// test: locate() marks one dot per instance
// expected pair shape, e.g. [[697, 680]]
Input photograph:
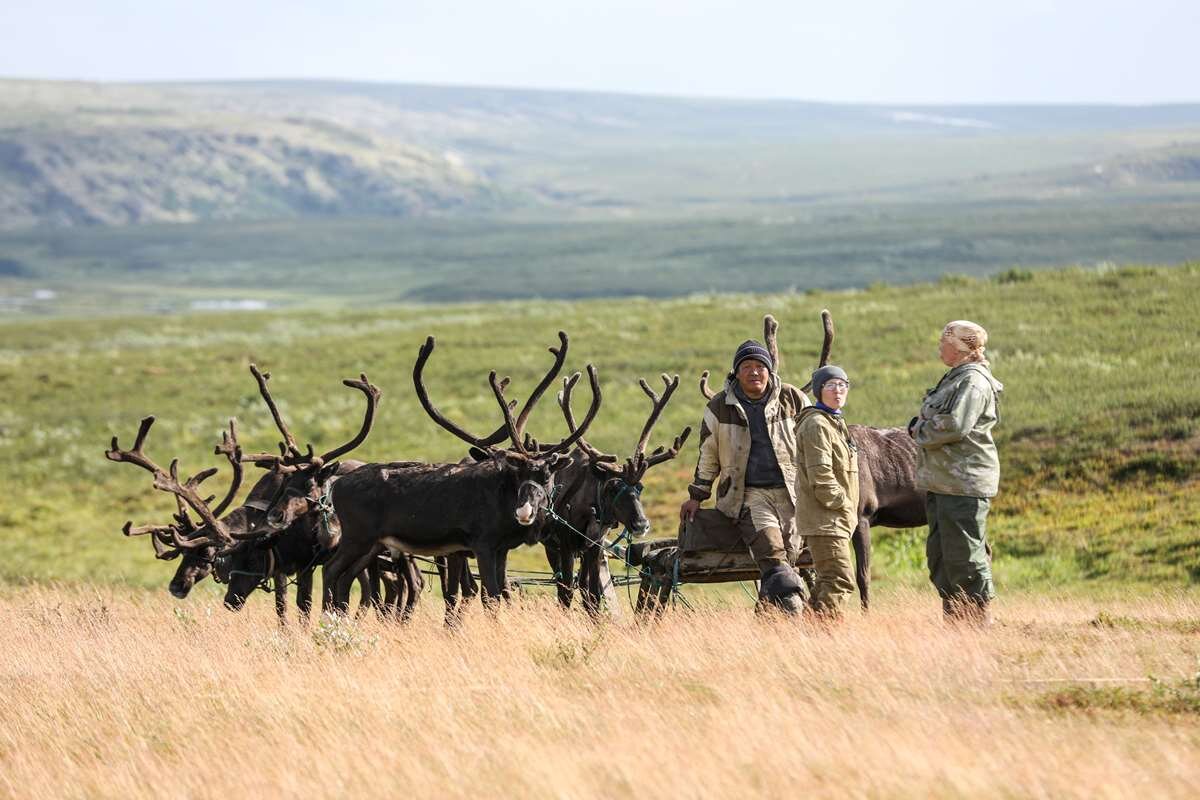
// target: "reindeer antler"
[[605, 461], [437, 416], [288, 445], [373, 394], [510, 425], [577, 433], [160, 536], [770, 331], [168, 480], [826, 345], [704, 389], [560, 357], [232, 451], [638, 465], [513, 428]]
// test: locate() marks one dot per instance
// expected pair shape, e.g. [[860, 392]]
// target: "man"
[[748, 450]]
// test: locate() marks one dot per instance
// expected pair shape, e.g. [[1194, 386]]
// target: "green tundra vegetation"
[[1099, 436], [126, 198]]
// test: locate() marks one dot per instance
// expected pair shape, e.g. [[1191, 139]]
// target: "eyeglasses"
[[837, 386]]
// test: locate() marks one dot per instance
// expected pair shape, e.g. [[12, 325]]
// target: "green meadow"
[[1099, 437]]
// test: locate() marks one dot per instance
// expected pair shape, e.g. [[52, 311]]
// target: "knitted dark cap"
[[752, 349], [824, 375]]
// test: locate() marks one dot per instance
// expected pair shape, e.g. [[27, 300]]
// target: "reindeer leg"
[[562, 579], [304, 587], [589, 581], [368, 588], [506, 589], [393, 594], [331, 574], [493, 588], [360, 571], [280, 579], [470, 587], [861, 540], [415, 583], [450, 575], [566, 572]]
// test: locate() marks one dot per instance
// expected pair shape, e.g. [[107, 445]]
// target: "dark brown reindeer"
[[486, 507], [259, 556], [596, 495], [187, 496], [195, 565], [296, 547], [887, 469]]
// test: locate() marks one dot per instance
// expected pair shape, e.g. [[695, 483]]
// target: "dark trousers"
[[956, 550]]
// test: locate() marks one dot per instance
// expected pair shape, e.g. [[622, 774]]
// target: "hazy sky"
[[887, 51]]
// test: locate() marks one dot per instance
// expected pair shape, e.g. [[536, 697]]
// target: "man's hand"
[[687, 511]]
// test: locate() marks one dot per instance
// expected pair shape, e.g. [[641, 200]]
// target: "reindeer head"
[[198, 544], [304, 489], [531, 464], [619, 496], [244, 568]]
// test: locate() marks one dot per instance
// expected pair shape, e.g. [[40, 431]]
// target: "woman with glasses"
[[960, 470], [827, 490]]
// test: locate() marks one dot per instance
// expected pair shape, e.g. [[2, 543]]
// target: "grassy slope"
[[1099, 436], [374, 261]]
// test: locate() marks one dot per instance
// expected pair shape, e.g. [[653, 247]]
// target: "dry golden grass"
[[105, 693]]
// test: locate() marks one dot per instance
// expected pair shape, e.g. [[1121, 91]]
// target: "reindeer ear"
[[479, 454], [327, 471]]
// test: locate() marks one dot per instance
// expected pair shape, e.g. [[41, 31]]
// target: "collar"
[[837, 412], [732, 390]]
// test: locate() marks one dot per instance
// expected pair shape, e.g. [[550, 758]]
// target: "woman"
[[827, 490], [960, 470]]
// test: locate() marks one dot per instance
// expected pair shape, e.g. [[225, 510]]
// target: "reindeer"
[[298, 547], [486, 506], [596, 495], [197, 564], [887, 469], [255, 555]]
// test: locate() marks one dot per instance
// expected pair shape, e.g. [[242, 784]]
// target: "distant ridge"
[[77, 153]]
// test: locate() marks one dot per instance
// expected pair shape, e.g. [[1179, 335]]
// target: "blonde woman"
[[959, 468]]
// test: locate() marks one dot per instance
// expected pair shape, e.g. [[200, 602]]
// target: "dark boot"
[[782, 588]]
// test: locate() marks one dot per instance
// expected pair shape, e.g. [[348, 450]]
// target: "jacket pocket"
[[724, 486]]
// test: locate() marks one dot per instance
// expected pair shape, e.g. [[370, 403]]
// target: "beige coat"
[[827, 476], [725, 444]]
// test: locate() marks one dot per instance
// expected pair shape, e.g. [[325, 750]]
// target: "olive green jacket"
[[954, 431], [827, 476], [725, 444]]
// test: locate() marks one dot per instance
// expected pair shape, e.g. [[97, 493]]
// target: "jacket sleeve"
[[708, 466], [817, 452], [954, 422]]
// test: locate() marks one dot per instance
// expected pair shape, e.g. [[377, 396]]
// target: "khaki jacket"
[[954, 430], [725, 444], [827, 479]]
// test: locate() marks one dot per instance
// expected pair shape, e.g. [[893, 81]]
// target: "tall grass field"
[[1089, 685]]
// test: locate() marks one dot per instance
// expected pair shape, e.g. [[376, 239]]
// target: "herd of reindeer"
[[371, 523]]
